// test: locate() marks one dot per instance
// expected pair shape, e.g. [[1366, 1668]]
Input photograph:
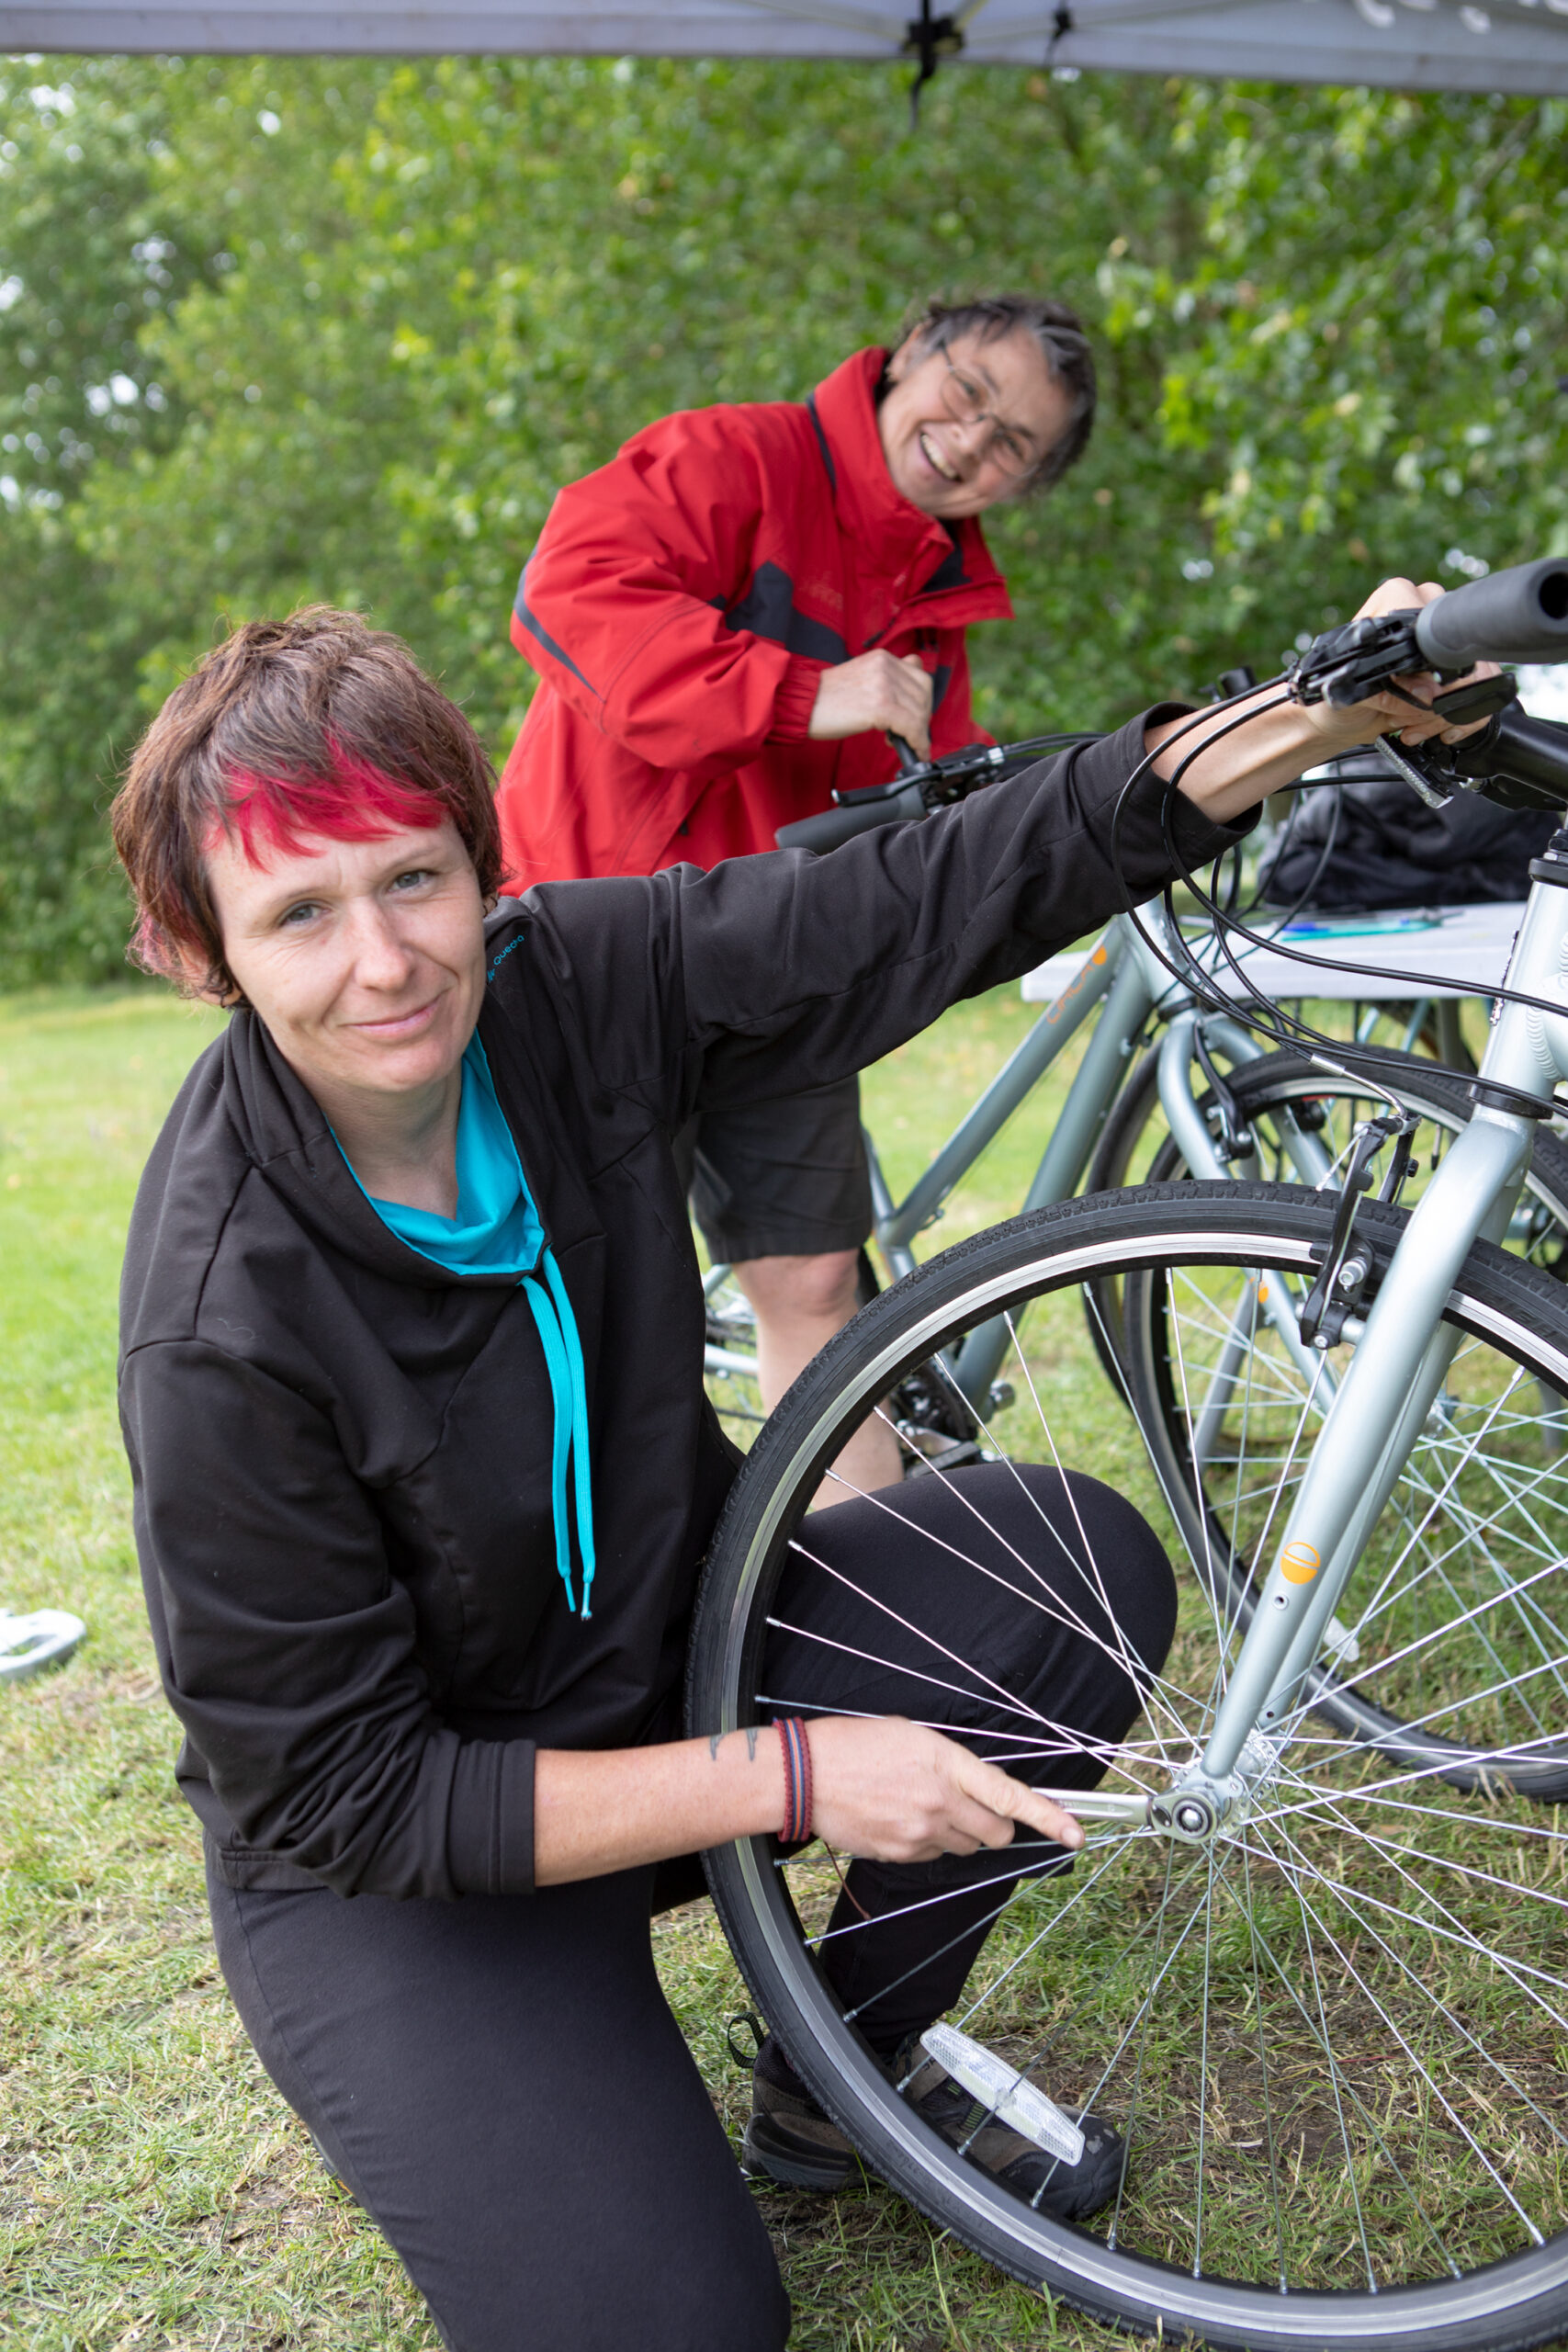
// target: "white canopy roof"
[[1509, 45]]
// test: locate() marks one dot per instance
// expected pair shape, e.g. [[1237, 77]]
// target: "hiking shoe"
[[1066, 2192], [787, 2136]]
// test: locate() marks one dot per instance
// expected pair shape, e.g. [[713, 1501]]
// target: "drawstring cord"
[[568, 1390]]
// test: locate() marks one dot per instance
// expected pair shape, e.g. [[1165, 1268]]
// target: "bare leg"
[[799, 1304]]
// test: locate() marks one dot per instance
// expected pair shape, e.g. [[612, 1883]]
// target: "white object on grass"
[[42, 1638], [1009, 2095]]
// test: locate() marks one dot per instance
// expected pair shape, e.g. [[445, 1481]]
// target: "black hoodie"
[[341, 1451]]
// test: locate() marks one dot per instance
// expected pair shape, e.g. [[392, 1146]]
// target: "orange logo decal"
[[1300, 1564]]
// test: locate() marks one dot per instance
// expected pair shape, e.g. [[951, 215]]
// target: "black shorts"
[[786, 1179]]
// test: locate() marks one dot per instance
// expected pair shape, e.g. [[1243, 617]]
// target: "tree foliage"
[[272, 331]]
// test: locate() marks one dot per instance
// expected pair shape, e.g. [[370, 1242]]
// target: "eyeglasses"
[[1007, 445]]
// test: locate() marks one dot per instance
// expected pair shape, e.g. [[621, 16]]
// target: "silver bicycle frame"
[[1124, 972], [1402, 1355]]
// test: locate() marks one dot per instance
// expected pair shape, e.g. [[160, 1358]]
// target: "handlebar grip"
[[836, 825], [1520, 614]]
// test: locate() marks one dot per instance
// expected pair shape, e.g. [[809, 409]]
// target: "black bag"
[[1373, 842]]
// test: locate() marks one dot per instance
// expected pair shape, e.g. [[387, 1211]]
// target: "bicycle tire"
[[1490, 2286]]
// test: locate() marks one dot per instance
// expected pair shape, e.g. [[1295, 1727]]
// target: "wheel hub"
[[1195, 1808]]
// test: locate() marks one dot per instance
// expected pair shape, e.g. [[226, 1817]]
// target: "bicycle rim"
[[1337, 2037]]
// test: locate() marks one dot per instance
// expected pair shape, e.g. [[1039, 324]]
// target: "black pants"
[[500, 2080]]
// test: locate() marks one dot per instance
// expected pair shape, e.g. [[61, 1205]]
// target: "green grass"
[[155, 2190]]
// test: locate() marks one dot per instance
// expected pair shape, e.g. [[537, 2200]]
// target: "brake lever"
[[1346, 664], [939, 781]]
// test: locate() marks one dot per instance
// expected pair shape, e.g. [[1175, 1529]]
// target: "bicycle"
[[1310, 1960], [1131, 1101]]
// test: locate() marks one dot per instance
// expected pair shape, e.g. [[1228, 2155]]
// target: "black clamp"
[[1488, 1094], [1341, 1287], [1346, 664], [1552, 865], [930, 38]]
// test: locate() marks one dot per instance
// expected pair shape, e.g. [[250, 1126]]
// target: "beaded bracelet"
[[796, 1830]]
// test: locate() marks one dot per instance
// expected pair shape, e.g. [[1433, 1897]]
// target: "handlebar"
[[920, 787], [836, 825], [1520, 614]]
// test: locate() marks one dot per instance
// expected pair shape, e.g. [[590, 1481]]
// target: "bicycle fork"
[[1393, 1383]]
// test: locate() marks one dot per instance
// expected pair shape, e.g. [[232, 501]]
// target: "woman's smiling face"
[[946, 467], [365, 959]]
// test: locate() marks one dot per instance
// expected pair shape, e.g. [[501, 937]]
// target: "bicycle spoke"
[[1052, 1606], [938, 1682], [1142, 2045], [1455, 2024], [1333, 2084], [1455, 1928], [1423, 2073], [1203, 2072]]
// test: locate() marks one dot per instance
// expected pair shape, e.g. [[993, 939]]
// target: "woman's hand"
[[1386, 713], [895, 1791], [874, 693], [881, 1787], [1238, 766]]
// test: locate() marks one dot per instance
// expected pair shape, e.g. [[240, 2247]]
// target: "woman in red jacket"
[[728, 620]]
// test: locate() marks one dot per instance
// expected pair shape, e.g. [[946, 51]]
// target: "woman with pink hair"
[[411, 1390]]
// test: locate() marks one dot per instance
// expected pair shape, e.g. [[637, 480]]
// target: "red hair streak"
[[352, 801]]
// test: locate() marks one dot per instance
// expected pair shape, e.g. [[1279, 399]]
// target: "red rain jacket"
[[680, 606]]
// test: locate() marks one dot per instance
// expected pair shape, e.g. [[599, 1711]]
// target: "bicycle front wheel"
[[1336, 2037]]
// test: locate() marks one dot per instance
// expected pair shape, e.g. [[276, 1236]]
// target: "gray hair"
[[1059, 333]]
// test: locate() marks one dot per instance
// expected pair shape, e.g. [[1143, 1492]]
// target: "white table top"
[[1468, 946]]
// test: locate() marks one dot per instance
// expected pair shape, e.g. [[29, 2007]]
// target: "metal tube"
[[1237, 1045], [1183, 1117], [1092, 1091], [1065, 1157], [1529, 1049], [1305, 1153], [1097, 1804], [1310, 1567], [1190, 1129], [1414, 1409], [1425, 1389], [900, 1258], [1021, 1071]]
